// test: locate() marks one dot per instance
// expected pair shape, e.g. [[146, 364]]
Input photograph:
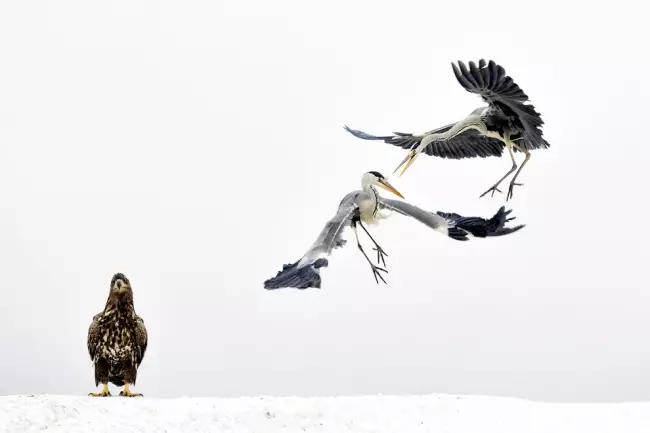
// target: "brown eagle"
[[117, 340]]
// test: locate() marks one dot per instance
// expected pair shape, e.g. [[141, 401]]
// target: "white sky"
[[198, 146]]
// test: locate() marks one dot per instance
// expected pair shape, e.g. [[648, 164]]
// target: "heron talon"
[[375, 271], [493, 190], [511, 189], [380, 255]]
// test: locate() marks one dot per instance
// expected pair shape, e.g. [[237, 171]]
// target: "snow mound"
[[395, 414]]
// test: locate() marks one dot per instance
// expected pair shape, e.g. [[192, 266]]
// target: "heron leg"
[[495, 187], [514, 178], [380, 251], [375, 269]]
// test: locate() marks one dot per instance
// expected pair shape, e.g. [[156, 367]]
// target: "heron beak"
[[410, 158], [387, 186]]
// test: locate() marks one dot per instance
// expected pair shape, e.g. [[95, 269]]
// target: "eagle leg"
[[105, 392], [127, 392]]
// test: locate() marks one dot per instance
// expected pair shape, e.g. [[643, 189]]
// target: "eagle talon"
[[126, 392], [105, 393], [129, 394]]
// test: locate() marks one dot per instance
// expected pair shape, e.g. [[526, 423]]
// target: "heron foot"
[[493, 189], [511, 189], [375, 273], [380, 255]]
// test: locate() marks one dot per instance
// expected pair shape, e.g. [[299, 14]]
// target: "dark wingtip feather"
[[481, 227], [506, 230], [457, 234], [298, 278], [496, 224]]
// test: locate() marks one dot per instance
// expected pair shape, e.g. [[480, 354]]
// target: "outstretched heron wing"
[[454, 225], [467, 144], [305, 273], [489, 80]]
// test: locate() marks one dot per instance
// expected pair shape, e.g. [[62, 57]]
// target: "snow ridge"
[[377, 414]]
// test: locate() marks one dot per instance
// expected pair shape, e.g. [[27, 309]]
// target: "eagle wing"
[[141, 339], [93, 336]]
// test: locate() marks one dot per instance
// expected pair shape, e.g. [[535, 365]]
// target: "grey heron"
[[506, 122], [366, 206]]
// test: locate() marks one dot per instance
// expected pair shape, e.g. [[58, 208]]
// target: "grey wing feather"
[[454, 225], [490, 82], [437, 222], [305, 273], [141, 339], [330, 235], [93, 336], [467, 144]]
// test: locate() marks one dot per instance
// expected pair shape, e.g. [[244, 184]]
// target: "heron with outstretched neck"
[[367, 206], [507, 121]]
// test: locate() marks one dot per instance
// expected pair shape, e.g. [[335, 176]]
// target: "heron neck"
[[472, 121], [374, 197]]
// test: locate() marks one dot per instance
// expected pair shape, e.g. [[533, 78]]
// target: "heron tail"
[[297, 277], [481, 227]]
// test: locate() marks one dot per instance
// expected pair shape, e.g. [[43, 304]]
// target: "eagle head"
[[120, 284], [121, 291]]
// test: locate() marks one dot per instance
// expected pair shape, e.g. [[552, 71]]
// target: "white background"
[[198, 146]]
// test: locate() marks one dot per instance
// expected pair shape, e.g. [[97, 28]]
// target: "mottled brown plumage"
[[117, 339]]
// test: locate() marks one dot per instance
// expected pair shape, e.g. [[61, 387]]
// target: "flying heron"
[[506, 122], [366, 206]]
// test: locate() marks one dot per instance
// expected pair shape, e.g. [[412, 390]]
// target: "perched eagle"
[[117, 340]]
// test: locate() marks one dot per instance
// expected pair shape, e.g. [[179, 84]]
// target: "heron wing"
[[437, 222], [489, 80], [455, 226], [305, 273], [467, 144], [481, 227], [330, 235]]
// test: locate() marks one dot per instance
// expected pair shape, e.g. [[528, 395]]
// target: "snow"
[[396, 414]]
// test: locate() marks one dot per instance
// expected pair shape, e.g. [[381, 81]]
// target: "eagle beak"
[[120, 286], [387, 186], [410, 158]]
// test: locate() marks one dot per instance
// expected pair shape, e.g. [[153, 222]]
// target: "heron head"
[[378, 179]]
